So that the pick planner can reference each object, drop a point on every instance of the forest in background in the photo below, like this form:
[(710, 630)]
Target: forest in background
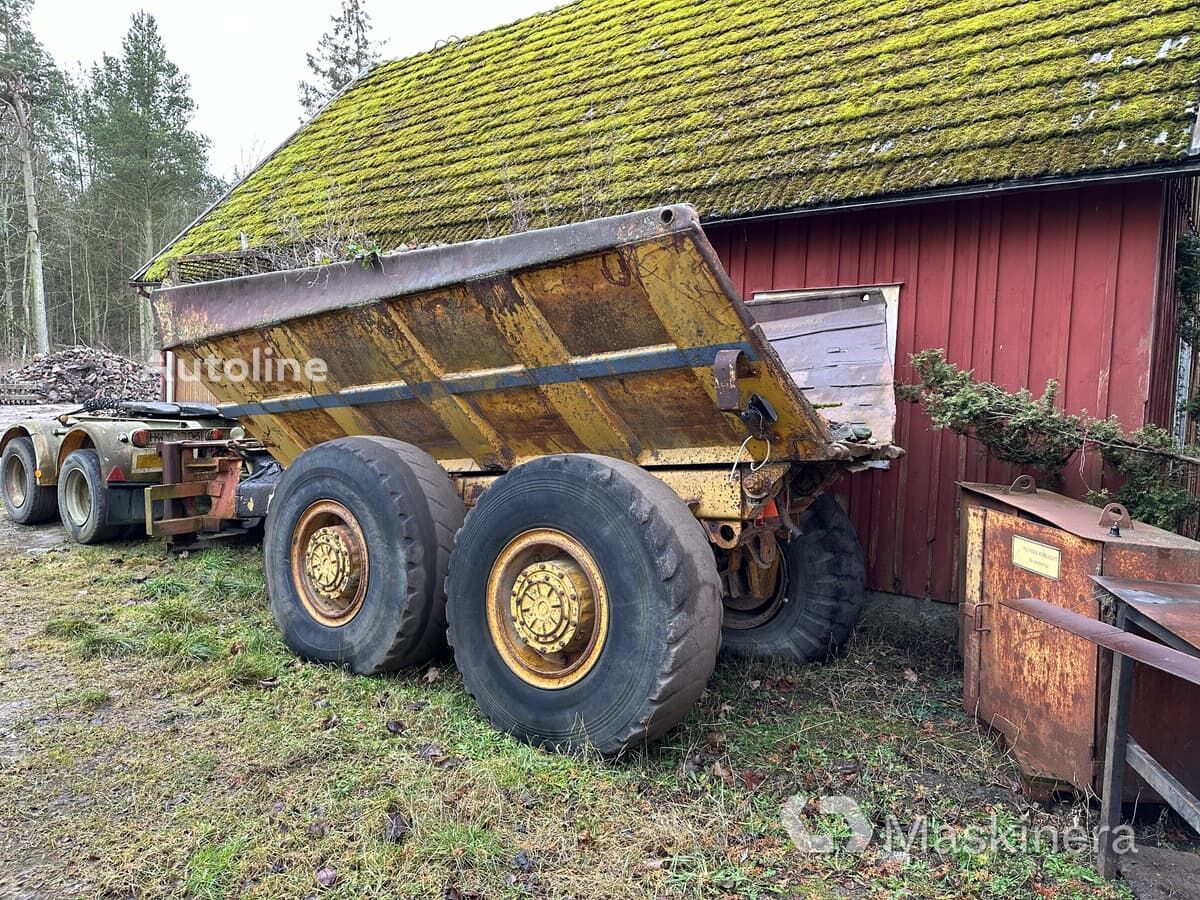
[(100, 168), (114, 172)]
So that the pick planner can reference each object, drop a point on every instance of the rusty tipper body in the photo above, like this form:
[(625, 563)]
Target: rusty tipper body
[(632, 447)]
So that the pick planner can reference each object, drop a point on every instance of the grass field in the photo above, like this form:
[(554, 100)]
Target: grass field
[(157, 739)]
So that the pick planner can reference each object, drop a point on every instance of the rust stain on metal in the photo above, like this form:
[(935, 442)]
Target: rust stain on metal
[(1173, 605), (1044, 688), (723, 534), (1038, 685), (972, 596), (1080, 519), (599, 337), (1161, 657)]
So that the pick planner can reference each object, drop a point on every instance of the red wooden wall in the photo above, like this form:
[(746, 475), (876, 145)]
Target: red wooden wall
[(1021, 287)]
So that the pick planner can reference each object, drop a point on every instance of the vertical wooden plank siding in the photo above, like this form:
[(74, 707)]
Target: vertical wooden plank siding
[(1020, 287), (1181, 215), (189, 391)]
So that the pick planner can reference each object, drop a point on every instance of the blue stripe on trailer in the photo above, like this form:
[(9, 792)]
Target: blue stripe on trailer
[(630, 363)]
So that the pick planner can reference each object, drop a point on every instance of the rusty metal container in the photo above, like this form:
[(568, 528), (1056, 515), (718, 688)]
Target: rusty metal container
[(1043, 689)]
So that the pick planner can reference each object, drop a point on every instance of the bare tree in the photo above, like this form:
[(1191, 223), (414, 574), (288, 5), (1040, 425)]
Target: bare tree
[(26, 75)]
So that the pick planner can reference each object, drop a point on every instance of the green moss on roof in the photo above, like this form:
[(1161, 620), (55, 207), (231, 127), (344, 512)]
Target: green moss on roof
[(746, 106)]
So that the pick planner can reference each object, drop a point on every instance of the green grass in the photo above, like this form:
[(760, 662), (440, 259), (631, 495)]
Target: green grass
[(212, 869), (172, 746), (88, 699)]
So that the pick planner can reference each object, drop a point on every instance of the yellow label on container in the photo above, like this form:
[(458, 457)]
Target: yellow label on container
[(1040, 559)]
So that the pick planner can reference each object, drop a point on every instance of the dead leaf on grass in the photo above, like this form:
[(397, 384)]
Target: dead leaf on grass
[(397, 828), (327, 876), (723, 772), (752, 778), (433, 754), (318, 829)]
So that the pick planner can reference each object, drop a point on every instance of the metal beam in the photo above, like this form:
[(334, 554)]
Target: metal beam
[(213, 308), (1181, 665), (1167, 785)]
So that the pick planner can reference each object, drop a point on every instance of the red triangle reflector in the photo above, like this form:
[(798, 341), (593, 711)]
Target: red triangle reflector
[(116, 474)]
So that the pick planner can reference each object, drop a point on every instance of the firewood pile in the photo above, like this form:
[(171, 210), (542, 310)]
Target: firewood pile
[(79, 374)]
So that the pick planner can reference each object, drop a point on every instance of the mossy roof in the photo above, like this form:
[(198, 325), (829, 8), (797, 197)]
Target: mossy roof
[(738, 107)]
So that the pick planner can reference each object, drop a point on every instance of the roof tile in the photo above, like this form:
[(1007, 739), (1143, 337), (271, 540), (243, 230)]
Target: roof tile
[(739, 107)]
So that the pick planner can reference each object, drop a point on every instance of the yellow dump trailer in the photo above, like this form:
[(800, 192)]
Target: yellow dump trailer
[(641, 473)]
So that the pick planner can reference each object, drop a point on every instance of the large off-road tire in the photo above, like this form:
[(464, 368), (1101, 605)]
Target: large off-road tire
[(823, 598), (584, 604), (356, 547), (83, 499), (27, 502)]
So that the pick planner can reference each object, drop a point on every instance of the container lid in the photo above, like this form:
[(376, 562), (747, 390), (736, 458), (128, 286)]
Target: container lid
[(1173, 606), (1078, 518)]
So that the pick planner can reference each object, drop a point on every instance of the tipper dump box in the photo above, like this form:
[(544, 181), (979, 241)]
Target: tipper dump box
[(644, 477)]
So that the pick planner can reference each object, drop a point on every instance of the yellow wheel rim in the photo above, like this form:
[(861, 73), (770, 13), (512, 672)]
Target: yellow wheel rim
[(329, 563), (547, 608)]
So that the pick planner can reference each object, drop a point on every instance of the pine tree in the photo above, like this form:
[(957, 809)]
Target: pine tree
[(343, 53), (29, 88), (148, 163)]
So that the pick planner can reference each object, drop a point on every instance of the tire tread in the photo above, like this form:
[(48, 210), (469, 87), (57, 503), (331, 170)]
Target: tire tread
[(690, 581), (43, 500)]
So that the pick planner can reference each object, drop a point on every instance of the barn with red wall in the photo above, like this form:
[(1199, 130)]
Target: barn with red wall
[(1019, 170), (1071, 284)]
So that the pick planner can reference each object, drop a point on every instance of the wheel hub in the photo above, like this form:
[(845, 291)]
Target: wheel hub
[(547, 608), (333, 562), (329, 564), (755, 577), (552, 606)]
